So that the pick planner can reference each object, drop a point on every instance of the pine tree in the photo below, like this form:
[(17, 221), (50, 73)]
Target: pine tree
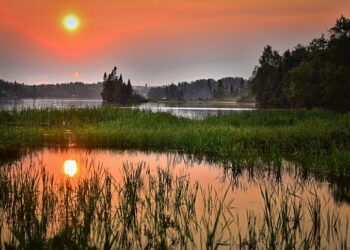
[(128, 89)]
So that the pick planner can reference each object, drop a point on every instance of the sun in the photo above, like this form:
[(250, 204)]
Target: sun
[(70, 167), (71, 22)]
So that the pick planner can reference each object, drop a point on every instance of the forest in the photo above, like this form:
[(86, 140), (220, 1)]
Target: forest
[(203, 89), (316, 75), (116, 89), (78, 90)]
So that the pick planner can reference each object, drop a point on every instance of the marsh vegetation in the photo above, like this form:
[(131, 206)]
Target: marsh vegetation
[(139, 205), (301, 135), (302, 204)]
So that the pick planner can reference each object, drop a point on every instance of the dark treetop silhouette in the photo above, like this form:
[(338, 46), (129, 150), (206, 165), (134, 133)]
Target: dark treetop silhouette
[(317, 75), (115, 90)]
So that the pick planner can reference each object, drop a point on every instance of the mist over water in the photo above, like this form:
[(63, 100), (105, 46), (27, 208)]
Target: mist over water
[(181, 109)]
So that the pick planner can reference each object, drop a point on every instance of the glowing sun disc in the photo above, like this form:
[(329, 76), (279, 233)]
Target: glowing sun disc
[(71, 22), (70, 167)]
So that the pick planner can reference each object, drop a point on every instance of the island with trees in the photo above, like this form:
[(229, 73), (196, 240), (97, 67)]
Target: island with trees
[(116, 91)]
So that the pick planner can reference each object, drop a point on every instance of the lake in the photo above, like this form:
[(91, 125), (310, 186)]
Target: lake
[(101, 190), (256, 180), (181, 109)]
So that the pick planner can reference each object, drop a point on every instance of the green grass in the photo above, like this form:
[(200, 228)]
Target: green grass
[(293, 134)]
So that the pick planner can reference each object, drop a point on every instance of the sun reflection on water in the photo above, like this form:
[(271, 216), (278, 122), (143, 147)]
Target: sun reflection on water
[(70, 167)]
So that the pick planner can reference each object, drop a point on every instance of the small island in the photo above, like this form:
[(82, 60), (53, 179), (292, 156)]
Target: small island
[(116, 91)]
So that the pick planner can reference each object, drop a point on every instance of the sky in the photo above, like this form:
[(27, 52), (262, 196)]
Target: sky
[(152, 42)]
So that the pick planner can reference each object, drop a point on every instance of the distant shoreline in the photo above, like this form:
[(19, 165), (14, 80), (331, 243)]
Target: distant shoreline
[(213, 101)]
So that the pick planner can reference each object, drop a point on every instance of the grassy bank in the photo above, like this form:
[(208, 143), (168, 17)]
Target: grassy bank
[(295, 134)]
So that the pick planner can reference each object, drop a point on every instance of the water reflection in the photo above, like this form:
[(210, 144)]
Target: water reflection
[(181, 109), (70, 167), (207, 170), (42, 103), (196, 110), (134, 193)]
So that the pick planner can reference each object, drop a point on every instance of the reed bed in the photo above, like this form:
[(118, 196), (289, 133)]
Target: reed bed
[(156, 209), (299, 134)]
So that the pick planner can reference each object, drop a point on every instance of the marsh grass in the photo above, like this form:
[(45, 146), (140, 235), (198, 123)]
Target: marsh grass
[(156, 209), (309, 137)]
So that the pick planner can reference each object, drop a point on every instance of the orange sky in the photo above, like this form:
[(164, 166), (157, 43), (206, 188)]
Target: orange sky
[(152, 41)]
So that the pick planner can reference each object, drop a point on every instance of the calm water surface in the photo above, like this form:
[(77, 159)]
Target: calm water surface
[(189, 110), (20, 104), (244, 186)]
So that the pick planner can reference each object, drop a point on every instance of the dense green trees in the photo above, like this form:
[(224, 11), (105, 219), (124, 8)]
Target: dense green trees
[(115, 90), (317, 75)]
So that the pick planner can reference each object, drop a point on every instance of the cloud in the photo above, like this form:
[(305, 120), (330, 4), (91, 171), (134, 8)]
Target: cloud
[(76, 74)]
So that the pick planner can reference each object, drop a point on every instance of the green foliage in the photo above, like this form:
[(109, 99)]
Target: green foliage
[(314, 76)]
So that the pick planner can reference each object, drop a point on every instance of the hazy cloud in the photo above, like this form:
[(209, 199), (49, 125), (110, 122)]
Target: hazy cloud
[(153, 41)]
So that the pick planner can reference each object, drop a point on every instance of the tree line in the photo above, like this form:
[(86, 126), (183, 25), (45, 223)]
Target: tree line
[(316, 75), (79, 90), (203, 89)]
